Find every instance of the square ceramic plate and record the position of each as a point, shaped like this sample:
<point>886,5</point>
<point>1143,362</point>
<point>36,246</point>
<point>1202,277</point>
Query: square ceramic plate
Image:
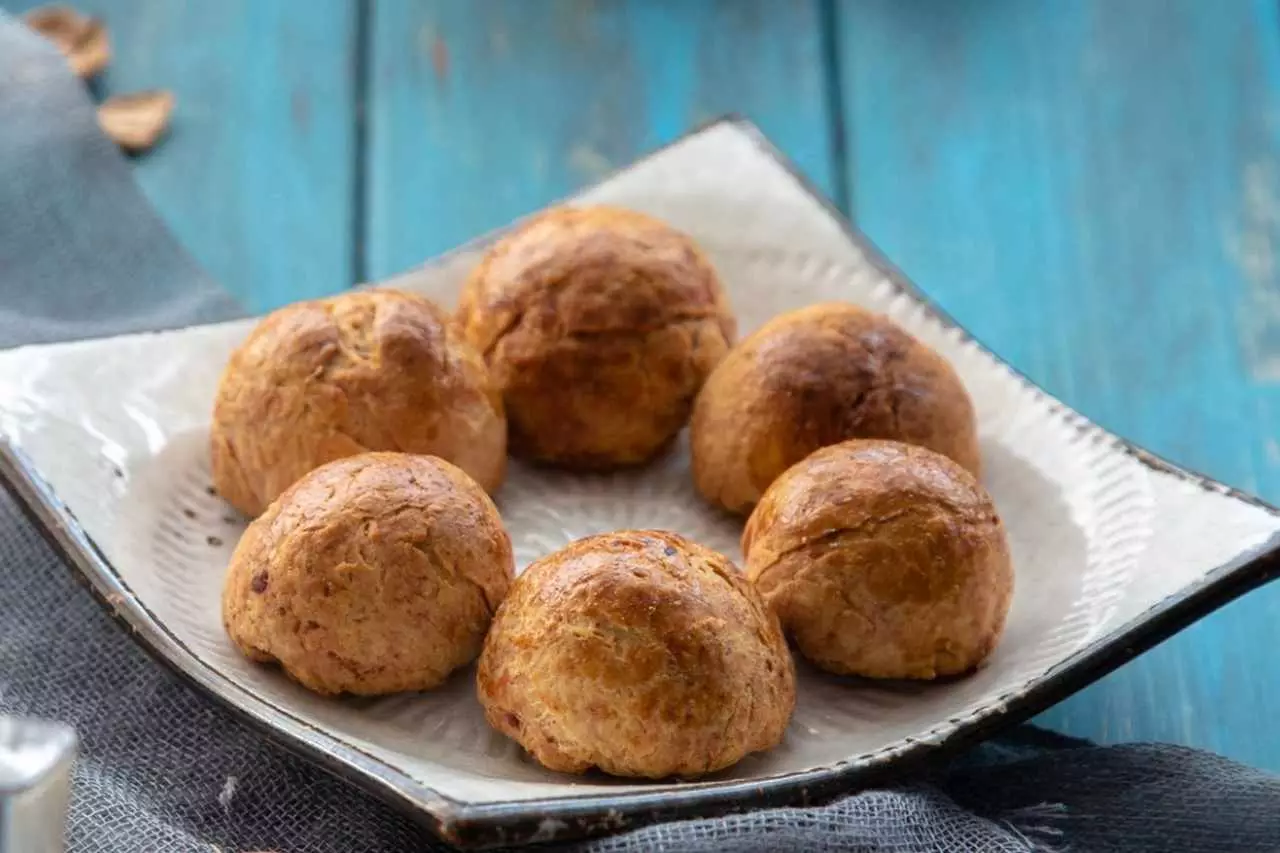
<point>105,443</point>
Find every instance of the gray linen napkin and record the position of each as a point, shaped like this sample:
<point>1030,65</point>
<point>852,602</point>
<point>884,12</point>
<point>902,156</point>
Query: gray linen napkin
<point>163,769</point>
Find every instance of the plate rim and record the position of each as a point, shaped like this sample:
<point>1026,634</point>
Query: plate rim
<point>474,825</point>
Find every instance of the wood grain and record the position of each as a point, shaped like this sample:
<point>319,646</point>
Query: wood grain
<point>1093,189</point>
<point>256,176</point>
<point>479,113</point>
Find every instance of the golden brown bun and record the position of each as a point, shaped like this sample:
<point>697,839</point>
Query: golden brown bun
<point>883,560</point>
<point>640,653</point>
<point>373,574</point>
<point>600,325</point>
<point>818,376</point>
<point>373,370</point>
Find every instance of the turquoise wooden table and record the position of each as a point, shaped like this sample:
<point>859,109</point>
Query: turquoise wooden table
<point>1093,188</point>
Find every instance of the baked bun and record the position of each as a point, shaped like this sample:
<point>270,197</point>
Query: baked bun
<point>371,370</point>
<point>819,376</point>
<point>373,574</point>
<point>600,325</point>
<point>640,653</point>
<point>883,560</point>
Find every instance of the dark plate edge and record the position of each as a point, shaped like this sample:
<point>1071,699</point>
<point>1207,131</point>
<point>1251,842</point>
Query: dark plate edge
<point>60,528</point>
<point>476,826</point>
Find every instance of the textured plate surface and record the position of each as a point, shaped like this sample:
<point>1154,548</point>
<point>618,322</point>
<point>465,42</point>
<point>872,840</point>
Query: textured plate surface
<point>107,444</point>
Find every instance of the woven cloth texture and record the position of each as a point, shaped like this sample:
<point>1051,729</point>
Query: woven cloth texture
<point>82,254</point>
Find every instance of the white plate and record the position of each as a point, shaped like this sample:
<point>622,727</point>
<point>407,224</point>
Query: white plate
<point>107,443</point>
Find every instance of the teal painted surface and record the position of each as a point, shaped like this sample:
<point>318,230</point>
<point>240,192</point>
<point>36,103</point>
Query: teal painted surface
<point>1093,188</point>
<point>482,112</point>
<point>257,176</point>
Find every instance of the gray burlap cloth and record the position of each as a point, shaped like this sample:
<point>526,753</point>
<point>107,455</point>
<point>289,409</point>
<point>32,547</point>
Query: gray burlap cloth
<point>81,255</point>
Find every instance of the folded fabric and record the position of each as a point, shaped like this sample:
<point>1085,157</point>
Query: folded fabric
<point>163,769</point>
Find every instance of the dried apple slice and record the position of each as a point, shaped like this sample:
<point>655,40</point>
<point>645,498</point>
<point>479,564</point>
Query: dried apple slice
<point>81,39</point>
<point>136,120</point>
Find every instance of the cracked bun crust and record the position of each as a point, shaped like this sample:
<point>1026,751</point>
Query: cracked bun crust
<point>815,377</point>
<point>640,653</point>
<point>884,560</point>
<point>373,574</point>
<point>599,325</point>
<point>372,370</point>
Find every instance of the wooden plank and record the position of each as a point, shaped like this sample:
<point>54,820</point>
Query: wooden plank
<point>1094,189</point>
<point>480,113</point>
<point>256,178</point>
